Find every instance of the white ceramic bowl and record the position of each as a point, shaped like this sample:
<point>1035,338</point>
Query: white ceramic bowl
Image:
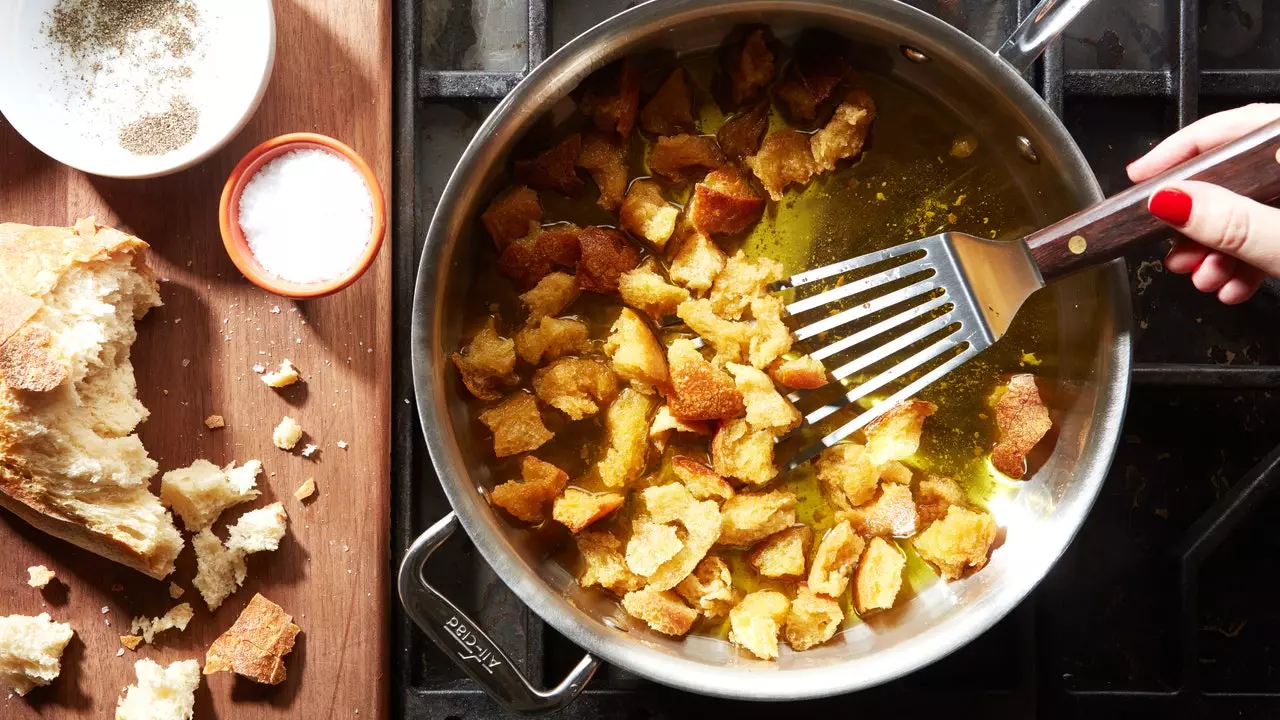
<point>54,111</point>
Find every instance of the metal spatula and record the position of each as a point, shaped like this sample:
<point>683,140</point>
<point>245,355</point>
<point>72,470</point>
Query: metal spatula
<point>933,304</point>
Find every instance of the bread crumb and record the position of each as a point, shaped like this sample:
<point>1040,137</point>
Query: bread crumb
<point>213,422</point>
<point>286,375</point>
<point>258,368</point>
<point>177,617</point>
<point>342,444</point>
<point>120,652</point>
<point>305,490</point>
<point>104,610</point>
<point>175,590</point>
<point>186,362</point>
<point>309,450</point>
<point>130,641</point>
<point>38,576</point>
<point>286,434</point>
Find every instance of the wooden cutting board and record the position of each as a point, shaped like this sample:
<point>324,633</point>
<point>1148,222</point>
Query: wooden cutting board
<point>194,358</point>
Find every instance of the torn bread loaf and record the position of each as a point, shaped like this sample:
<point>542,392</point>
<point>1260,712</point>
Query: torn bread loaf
<point>256,644</point>
<point>31,651</point>
<point>70,463</point>
<point>162,693</point>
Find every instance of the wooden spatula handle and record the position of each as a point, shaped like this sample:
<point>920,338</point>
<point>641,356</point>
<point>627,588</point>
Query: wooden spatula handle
<point>1249,166</point>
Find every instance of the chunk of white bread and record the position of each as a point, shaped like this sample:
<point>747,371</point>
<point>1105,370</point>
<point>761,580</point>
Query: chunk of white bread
<point>200,492</point>
<point>31,650</point>
<point>161,693</point>
<point>70,463</point>
<point>220,569</point>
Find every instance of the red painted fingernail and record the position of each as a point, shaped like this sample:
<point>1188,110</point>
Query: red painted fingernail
<point>1171,205</point>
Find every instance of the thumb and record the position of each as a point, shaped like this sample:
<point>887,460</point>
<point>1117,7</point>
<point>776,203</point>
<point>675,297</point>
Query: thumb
<point>1221,220</point>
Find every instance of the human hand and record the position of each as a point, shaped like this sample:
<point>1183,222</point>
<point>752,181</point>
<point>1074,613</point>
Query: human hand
<point>1229,244</point>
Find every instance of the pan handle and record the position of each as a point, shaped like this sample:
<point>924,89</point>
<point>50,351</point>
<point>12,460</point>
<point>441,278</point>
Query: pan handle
<point>455,633</point>
<point>1045,23</point>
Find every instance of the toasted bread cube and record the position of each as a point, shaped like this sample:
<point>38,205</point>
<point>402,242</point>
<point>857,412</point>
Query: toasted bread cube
<point>837,553</point>
<point>748,66</point>
<point>703,482</point>
<point>847,474</point>
<point>626,434</point>
<point>523,262</point>
<point>738,451</point>
<point>516,425</point>
<point>782,554</point>
<point>802,373</point>
<point>1023,420</point>
<point>509,215</point>
<point>606,163</point>
<point>487,362</point>
<point>646,213</point>
<point>845,134</point>
<point>651,545</point>
<point>578,387</point>
<point>560,244</point>
<point>754,624</point>
<point>665,423</point>
<point>813,619</point>
<point>784,160</point>
<point>549,339</point>
<point>635,353</point>
<point>879,576</point>
<point>724,203</point>
<point>554,168</point>
<point>647,291</point>
<point>895,472</point>
<point>576,509</point>
<point>527,500</point>
<point>685,158</point>
<point>747,518</point>
<point>730,339</point>
<point>935,496</point>
<point>696,263</point>
<point>767,409</point>
<point>673,504</point>
<point>739,282</point>
<point>770,336</point>
<point>605,257</point>
<point>661,610</point>
<point>604,565</point>
<point>709,588</point>
<point>612,97</point>
<point>961,539</point>
<point>700,390</point>
<point>896,434</point>
<point>892,513</point>
<point>741,135</point>
<point>670,110</point>
<point>818,68</point>
<point>550,296</point>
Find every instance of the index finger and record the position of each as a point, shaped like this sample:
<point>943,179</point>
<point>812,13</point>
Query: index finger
<point>1201,136</point>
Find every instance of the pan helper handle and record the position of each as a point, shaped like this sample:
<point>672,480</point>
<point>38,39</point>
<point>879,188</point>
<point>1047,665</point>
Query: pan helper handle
<point>452,631</point>
<point>1046,22</point>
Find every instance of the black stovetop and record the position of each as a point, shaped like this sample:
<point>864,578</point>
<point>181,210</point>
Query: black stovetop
<point>1159,607</point>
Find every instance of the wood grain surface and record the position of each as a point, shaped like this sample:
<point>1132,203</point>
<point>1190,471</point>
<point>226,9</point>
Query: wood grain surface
<point>193,358</point>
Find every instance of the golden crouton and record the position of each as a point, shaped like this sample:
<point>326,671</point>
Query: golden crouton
<point>553,169</point>
<point>661,610</point>
<point>960,539</point>
<point>509,215</point>
<point>578,387</point>
<point>740,136</point>
<point>703,482</point>
<point>709,588</point>
<point>700,390</point>
<point>603,564</point>
<point>647,291</point>
<point>527,500</point>
<point>784,159</point>
<point>782,554</point>
<point>527,260</point>
<point>606,163</point>
<point>651,545</point>
<point>844,135</point>
<point>685,158</point>
<point>724,203</point>
<point>748,66</point>
<point>670,505</point>
<point>647,214</point>
<point>802,373</point>
<point>935,496</point>
<point>576,509</point>
<point>895,472</point>
<point>559,244</point>
<point>847,474</point>
<point>739,281</point>
<point>550,338</point>
<point>837,553</point>
<point>895,435</point>
<point>747,518</point>
<point>893,513</point>
<point>670,110</point>
<point>730,339</point>
<point>738,451</point>
<point>635,353</point>
<point>696,263</point>
<point>813,619</point>
<point>516,425</point>
<point>770,336</point>
<point>879,576</point>
<point>665,423</point>
<point>767,409</point>
<point>1023,420</point>
<point>606,255</point>
<point>487,362</point>
<point>755,622</point>
<point>626,435</point>
<point>612,97</point>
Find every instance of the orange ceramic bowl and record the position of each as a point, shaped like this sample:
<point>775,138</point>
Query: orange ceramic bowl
<point>238,248</point>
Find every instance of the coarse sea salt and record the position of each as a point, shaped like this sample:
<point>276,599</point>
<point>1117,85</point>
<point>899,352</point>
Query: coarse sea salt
<point>307,216</point>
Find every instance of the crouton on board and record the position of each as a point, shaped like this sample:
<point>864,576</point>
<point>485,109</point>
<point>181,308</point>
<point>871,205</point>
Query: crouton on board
<point>516,425</point>
<point>879,576</point>
<point>603,564</point>
<point>754,624</point>
<point>646,213</point>
<point>550,338</point>
<point>700,390</point>
<point>670,110</point>
<point>1023,420</point>
<point>960,540</point>
<point>747,518</point>
<point>510,213</point>
<point>741,452</point>
<point>634,352</point>
<point>895,435</point>
<point>647,291</point>
<point>487,363</point>
<point>661,610</point>
<point>578,387</point>
<point>812,620</point>
<point>606,162</point>
<point>554,168</point>
<point>838,551</point>
<point>782,554</point>
<point>606,255</point>
<point>577,509</point>
<point>784,159</point>
<point>527,498</point>
<point>685,158</point>
<point>626,436</point>
<point>724,203</point>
